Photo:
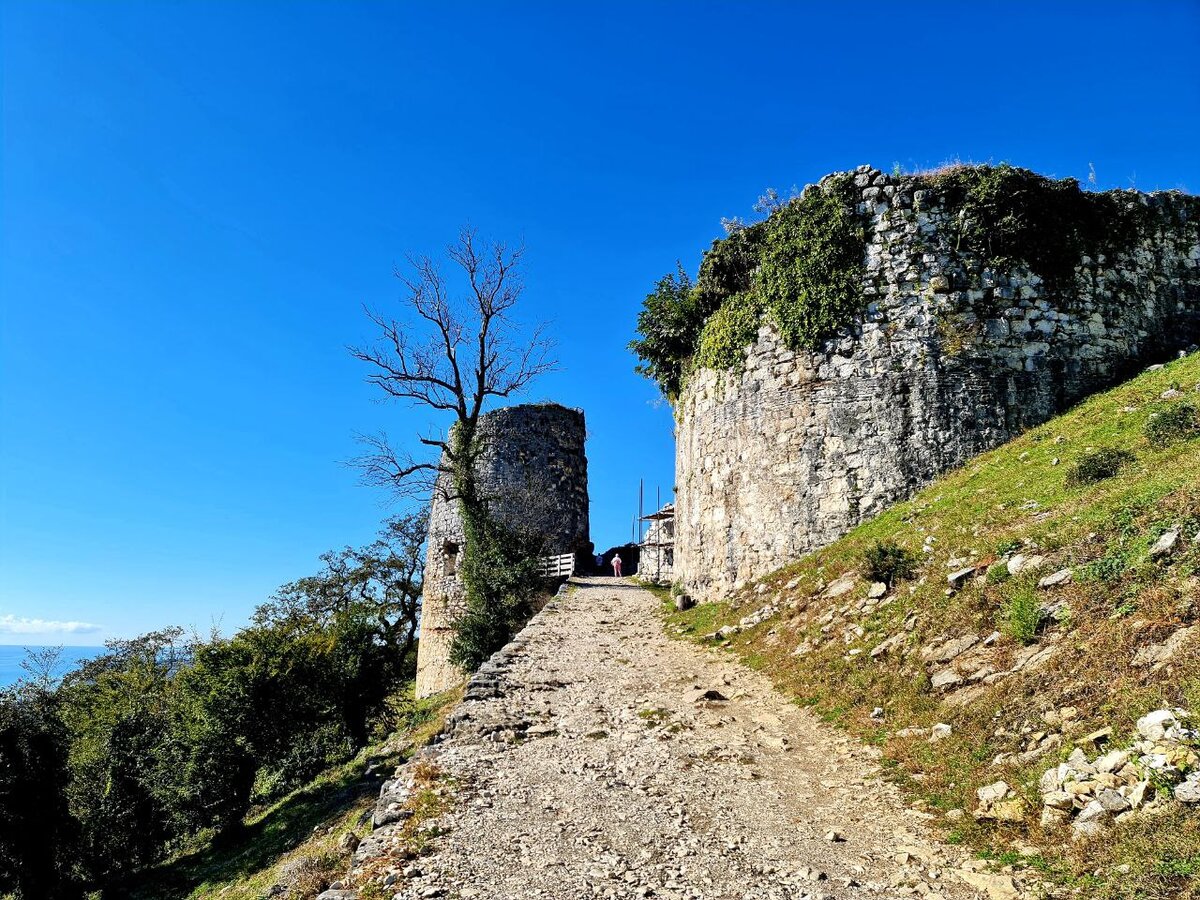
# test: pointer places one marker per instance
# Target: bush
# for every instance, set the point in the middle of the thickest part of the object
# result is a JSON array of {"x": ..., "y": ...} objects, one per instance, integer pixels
[
  {"x": 729, "y": 265},
  {"x": 403, "y": 711},
  {"x": 810, "y": 276},
  {"x": 1011, "y": 215},
  {"x": 1022, "y": 614},
  {"x": 998, "y": 573},
  {"x": 669, "y": 326},
  {"x": 728, "y": 332},
  {"x": 38, "y": 839},
  {"x": 1098, "y": 465},
  {"x": 804, "y": 266},
  {"x": 309, "y": 754},
  {"x": 1171, "y": 425},
  {"x": 1107, "y": 568},
  {"x": 888, "y": 562},
  {"x": 501, "y": 581}
]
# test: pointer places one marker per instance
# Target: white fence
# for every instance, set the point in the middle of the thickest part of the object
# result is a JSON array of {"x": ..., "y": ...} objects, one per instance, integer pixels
[{"x": 557, "y": 566}]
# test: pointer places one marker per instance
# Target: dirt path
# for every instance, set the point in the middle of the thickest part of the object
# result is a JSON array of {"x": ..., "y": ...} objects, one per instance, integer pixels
[{"x": 608, "y": 760}]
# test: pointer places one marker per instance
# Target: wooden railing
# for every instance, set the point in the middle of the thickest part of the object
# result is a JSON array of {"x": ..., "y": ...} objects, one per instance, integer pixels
[{"x": 557, "y": 566}]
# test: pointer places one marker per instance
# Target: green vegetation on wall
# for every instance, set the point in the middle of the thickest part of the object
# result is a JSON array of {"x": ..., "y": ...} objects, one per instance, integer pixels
[
  {"x": 845, "y": 655},
  {"x": 1013, "y": 216},
  {"x": 811, "y": 270},
  {"x": 499, "y": 570},
  {"x": 728, "y": 332},
  {"x": 500, "y": 575},
  {"x": 802, "y": 268}
]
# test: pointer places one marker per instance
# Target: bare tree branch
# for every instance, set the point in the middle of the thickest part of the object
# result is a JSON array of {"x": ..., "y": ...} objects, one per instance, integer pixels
[{"x": 450, "y": 356}]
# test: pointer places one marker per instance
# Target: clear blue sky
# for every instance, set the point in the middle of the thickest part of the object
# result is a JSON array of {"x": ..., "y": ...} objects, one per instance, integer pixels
[{"x": 198, "y": 197}]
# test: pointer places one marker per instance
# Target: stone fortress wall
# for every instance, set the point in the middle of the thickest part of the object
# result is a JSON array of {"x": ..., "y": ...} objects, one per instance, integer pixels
[
  {"x": 533, "y": 475},
  {"x": 952, "y": 357}
]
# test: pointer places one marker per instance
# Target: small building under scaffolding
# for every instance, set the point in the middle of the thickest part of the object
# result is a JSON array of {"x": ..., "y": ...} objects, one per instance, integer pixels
[{"x": 657, "y": 562}]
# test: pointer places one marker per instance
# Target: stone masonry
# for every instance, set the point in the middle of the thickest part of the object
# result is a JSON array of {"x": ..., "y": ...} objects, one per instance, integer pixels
[
  {"x": 532, "y": 473},
  {"x": 952, "y": 357}
]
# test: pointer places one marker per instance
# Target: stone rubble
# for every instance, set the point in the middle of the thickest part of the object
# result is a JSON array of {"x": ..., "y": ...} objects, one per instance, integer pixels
[{"x": 1092, "y": 794}]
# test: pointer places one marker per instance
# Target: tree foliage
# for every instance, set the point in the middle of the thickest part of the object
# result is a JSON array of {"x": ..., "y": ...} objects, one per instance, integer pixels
[
  {"x": 669, "y": 325},
  {"x": 169, "y": 737},
  {"x": 38, "y": 837},
  {"x": 502, "y": 586}
]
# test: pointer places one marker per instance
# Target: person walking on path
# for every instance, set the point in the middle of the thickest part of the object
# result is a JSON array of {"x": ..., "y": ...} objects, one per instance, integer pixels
[{"x": 616, "y": 563}]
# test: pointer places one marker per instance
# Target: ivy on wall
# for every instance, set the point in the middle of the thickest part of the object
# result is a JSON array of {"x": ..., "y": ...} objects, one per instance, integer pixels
[
  {"x": 811, "y": 269},
  {"x": 1008, "y": 216},
  {"x": 499, "y": 567},
  {"x": 802, "y": 268}
]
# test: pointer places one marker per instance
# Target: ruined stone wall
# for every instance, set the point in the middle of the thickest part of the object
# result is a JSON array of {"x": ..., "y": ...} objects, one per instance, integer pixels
[
  {"x": 532, "y": 473},
  {"x": 954, "y": 355}
]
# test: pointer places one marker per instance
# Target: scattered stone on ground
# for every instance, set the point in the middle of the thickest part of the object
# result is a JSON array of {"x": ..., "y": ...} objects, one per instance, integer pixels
[
  {"x": 1092, "y": 794},
  {"x": 1158, "y": 655},
  {"x": 674, "y": 774}
]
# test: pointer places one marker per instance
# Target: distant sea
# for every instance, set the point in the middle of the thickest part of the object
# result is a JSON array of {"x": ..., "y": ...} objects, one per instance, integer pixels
[{"x": 11, "y": 658}]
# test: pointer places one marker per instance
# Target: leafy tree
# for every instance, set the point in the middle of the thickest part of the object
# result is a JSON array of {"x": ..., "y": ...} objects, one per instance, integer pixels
[
  {"x": 669, "y": 324},
  {"x": 382, "y": 580},
  {"x": 38, "y": 837},
  {"x": 117, "y": 708}
]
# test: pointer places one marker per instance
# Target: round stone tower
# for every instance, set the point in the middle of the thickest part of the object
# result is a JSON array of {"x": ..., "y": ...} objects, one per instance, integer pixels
[{"x": 532, "y": 472}]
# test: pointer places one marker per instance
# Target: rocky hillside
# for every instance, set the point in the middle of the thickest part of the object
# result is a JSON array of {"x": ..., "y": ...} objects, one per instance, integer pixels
[{"x": 1021, "y": 641}]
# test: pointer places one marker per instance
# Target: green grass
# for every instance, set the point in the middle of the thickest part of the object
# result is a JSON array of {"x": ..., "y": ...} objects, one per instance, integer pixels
[{"x": 1090, "y": 492}]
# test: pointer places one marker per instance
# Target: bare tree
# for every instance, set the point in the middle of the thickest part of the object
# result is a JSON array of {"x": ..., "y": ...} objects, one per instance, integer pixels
[{"x": 451, "y": 355}]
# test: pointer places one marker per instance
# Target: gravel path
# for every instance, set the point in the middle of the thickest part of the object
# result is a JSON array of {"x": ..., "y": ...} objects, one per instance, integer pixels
[{"x": 596, "y": 757}]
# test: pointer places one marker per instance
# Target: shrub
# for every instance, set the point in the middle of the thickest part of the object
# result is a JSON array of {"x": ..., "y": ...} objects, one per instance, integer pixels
[
  {"x": 500, "y": 575},
  {"x": 888, "y": 562},
  {"x": 729, "y": 265},
  {"x": 1011, "y": 215},
  {"x": 1098, "y": 465},
  {"x": 804, "y": 266},
  {"x": 998, "y": 573},
  {"x": 1107, "y": 568},
  {"x": 728, "y": 332},
  {"x": 810, "y": 275},
  {"x": 310, "y": 752},
  {"x": 669, "y": 327},
  {"x": 1022, "y": 614},
  {"x": 38, "y": 839},
  {"x": 1171, "y": 425}
]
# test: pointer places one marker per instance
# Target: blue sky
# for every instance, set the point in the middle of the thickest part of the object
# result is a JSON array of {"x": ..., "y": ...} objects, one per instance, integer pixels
[{"x": 198, "y": 198}]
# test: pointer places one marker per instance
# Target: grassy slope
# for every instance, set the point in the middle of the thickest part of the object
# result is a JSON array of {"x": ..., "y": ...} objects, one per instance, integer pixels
[
  {"x": 301, "y": 830},
  {"x": 1012, "y": 497}
]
